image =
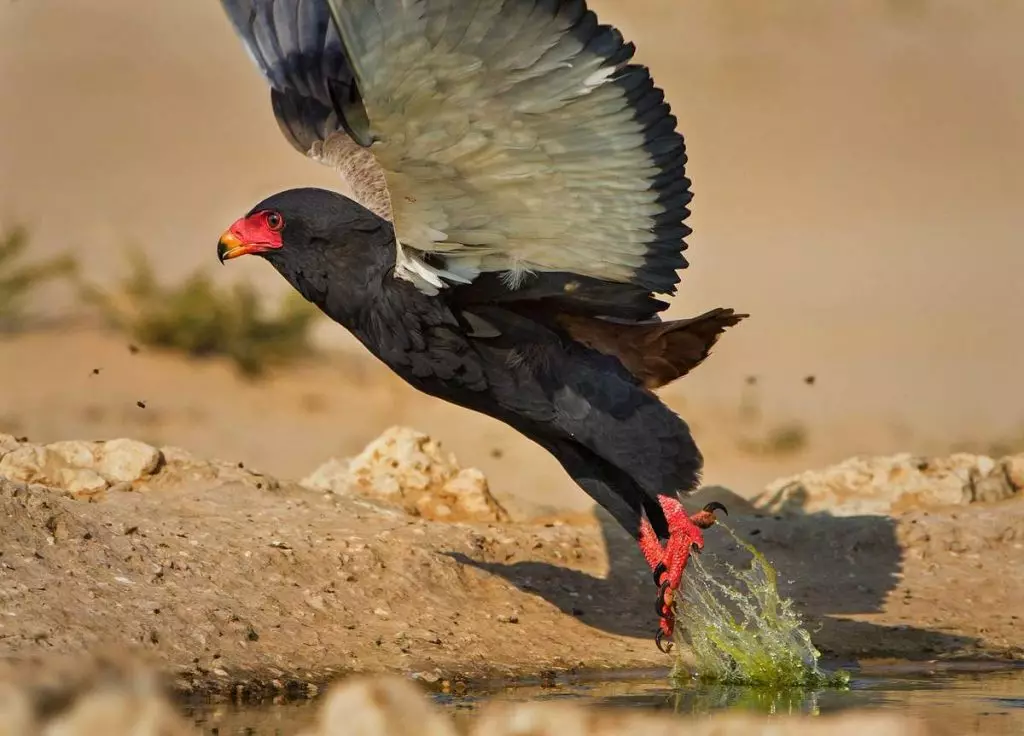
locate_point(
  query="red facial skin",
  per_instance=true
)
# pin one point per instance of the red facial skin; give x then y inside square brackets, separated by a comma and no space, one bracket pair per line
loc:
[685,531]
[257,233]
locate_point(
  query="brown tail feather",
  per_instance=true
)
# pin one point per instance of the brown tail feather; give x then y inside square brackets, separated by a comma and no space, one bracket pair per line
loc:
[657,353]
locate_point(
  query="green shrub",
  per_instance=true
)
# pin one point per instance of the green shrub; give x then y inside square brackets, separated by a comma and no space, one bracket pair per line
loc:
[201,319]
[18,281]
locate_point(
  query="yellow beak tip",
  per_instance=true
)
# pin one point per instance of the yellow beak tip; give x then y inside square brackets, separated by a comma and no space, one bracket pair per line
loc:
[230,246]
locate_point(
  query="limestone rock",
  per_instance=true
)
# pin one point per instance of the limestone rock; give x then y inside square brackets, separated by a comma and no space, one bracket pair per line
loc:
[379,706]
[81,482]
[124,460]
[114,697]
[81,468]
[8,443]
[464,496]
[177,456]
[1013,466]
[882,486]
[32,464]
[76,453]
[16,717]
[119,713]
[992,487]
[394,706]
[409,469]
[182,467]
[557,719]
[331,477]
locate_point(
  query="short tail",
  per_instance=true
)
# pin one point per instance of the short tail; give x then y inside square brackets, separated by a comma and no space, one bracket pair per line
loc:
[657,353]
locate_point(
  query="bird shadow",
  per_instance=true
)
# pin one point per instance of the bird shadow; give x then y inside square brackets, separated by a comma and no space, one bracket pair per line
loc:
[832,567]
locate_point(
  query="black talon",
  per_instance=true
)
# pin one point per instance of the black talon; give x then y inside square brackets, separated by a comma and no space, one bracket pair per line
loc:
[659,641]
[716,506]
[659,604]
[695,548]
[659,570]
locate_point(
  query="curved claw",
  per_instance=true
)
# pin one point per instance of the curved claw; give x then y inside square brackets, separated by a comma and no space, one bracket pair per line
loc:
[659,570]
[716,506]
[660,605]
[659,641]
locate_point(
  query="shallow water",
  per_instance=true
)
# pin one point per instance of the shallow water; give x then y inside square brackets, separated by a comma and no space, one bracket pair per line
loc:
[968,699]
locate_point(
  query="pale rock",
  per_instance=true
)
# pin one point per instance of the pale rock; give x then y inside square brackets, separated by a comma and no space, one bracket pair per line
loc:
[379,706]
[81,481]
[76,453]
[401,462]
[16,714]
[181,467]
[1013,466]
[115,703]
[8,443]
[82,468]
[331,477]
[469,492]
[119,713]
[409,469]
[127,460]
[430,507]
[177,456]
[559,719]
[880,486]
[1002,481]
[32,464]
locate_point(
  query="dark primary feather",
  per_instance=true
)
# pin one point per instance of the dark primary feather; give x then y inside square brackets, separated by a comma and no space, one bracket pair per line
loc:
[297,49]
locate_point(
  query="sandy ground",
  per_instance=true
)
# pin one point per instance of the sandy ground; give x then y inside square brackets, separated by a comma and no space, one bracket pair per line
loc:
[229,584]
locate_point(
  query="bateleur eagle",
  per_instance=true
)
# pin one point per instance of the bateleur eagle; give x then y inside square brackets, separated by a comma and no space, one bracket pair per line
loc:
[519,199]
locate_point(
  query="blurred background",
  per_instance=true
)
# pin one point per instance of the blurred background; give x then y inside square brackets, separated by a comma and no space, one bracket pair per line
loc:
[858,172]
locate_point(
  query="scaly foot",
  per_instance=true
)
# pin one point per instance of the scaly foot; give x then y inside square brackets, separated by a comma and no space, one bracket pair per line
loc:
[685,535]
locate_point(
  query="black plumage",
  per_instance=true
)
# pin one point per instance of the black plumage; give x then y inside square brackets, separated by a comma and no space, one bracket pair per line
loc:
[537,183]
[615,437]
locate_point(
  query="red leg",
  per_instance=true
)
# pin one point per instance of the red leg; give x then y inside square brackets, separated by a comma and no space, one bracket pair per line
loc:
[668,563]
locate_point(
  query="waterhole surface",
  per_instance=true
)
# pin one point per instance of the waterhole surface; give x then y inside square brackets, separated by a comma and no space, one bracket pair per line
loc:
[966,699]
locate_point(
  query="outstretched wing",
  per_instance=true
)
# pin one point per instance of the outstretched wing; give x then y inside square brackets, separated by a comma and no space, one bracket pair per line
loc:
[514,135]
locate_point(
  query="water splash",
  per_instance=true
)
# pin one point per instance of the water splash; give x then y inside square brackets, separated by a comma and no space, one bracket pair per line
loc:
[741,631]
